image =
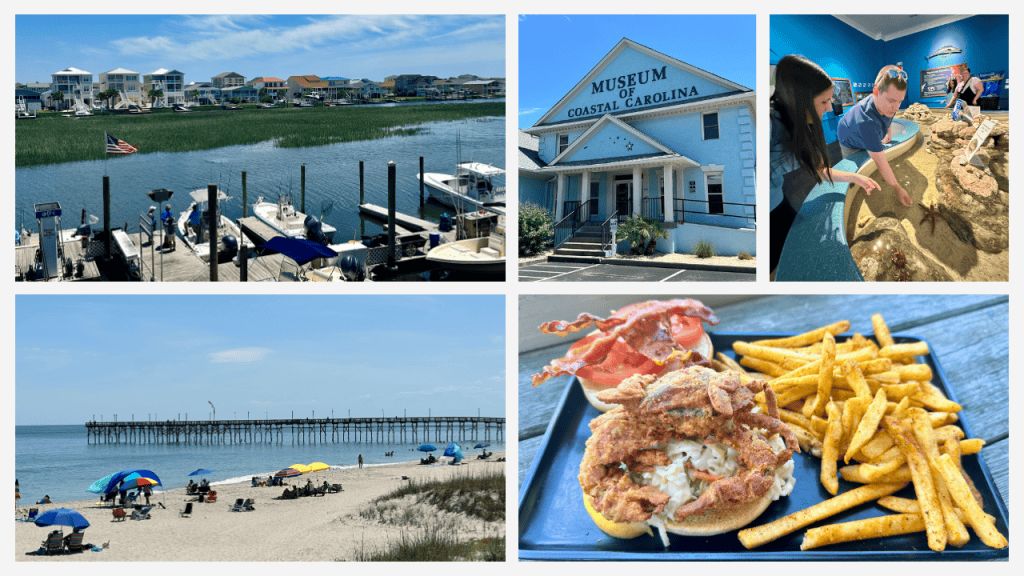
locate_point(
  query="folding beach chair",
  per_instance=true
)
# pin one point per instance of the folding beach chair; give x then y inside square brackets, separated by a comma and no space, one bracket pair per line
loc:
[237,507]
[119,514]
[249,505]
[73,542]
[54,542]
[32,513]
[187,511]
[141,513]
[212,496]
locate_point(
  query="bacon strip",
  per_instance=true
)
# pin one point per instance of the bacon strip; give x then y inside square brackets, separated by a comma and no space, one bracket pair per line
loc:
[646,326]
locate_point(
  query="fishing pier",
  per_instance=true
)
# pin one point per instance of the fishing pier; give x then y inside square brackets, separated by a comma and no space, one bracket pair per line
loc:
[398,429]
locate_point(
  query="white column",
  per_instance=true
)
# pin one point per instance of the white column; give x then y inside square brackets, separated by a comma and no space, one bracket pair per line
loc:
[585,188]
[669,208]
[638,191]
[559,197]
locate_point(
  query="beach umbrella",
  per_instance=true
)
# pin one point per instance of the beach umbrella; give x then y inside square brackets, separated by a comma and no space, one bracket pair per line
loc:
[482,445]
[127,476]
[201,472]
[62,517]
[318,466]
[100,486]
[287,473]
[455,451]
[139,482]
[17,490]
[301,468]
[426,448]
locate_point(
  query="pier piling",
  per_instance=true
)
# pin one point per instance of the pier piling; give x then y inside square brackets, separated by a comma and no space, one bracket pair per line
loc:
[421,182]
[391,214]
[302,180]
[106,214]
[245,199]
[361,201]
[211,194]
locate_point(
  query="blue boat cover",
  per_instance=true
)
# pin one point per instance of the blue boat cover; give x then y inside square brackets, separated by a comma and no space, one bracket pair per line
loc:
[299,249]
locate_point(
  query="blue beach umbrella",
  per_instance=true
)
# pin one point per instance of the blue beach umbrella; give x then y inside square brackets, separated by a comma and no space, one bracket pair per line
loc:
[127,476]
[426,448]
[482,445]
[62,517]
[455,451]
[201,472]
[100,486]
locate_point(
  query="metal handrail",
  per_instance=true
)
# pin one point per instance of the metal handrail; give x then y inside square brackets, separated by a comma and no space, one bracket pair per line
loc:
[567,226]
[680,210]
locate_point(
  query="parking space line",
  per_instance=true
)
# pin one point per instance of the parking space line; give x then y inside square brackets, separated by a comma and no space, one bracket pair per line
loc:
[570,272]
[666,279]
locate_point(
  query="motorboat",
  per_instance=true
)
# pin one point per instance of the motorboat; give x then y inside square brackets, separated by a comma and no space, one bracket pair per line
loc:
[181,108]
[470,188]
[482,254]
[286,219]
[228,234]
[303,104]
[230,106]
[266,105]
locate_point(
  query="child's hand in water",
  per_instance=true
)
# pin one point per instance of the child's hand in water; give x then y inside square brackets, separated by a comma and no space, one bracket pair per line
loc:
[904,197]
[866,183]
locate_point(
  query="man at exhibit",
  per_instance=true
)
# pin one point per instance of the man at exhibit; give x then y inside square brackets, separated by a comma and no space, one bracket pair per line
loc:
[868,124]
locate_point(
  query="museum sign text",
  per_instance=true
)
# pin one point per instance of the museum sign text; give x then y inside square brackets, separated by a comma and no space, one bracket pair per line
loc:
[624,87]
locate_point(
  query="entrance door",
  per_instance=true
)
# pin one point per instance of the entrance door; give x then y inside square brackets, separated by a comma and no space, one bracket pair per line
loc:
[595,192]
[624,197]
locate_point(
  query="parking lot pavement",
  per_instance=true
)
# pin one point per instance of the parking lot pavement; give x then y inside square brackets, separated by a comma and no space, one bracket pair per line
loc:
[569,272]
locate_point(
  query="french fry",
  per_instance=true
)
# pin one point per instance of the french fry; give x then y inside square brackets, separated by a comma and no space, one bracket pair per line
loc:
[853,474]
[730,363]
[914,372]
[904,352]
[878,444]
[936,403]
[901,408]
[877,472]
[828,356]
[972,446]
[809,443]
[807,337]
[768,353]
[901,505]
[922,476]
[881,331]
[769,368]
[853,411]
[952,447]
[961,494]
[795,393]
[754,537]
[956,532]
[890,377]
[879,527]
[901,391]
[856,379]
[868,425]
[830,449]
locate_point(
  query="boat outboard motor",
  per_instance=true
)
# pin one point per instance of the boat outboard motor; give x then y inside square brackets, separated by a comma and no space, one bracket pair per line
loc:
[350,268]
[314,230]
[230,244]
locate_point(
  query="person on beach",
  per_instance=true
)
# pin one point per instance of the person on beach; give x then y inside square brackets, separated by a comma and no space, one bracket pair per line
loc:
[45,500]
[803,94]
[360,460]
[868,124]
[147,492]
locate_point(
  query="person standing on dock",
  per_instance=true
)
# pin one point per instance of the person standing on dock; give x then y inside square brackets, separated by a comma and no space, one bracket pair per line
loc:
[360,460]
[170,240]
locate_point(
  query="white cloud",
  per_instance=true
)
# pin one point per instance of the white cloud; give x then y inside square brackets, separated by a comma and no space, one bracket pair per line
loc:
[239,355]
[529,111]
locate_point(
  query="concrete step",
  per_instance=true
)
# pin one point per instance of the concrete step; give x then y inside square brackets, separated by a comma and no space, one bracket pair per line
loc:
[585,239]
[577,252]
[574,259]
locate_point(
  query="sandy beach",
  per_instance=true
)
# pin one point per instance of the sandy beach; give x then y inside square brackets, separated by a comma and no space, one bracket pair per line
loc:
[318,528]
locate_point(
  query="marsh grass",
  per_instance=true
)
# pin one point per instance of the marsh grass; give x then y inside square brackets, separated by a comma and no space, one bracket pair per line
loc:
[53,139]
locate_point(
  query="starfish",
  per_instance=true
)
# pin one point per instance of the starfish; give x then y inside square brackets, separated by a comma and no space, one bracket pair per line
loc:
[931,214]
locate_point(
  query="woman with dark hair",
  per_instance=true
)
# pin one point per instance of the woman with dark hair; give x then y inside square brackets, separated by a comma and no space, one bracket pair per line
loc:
[803,93]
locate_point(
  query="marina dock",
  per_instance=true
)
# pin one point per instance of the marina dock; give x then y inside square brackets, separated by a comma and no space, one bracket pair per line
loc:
[303,430]
[182,265]
[25,257]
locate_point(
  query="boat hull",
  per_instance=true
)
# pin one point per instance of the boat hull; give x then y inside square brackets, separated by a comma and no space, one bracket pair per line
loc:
[466,256]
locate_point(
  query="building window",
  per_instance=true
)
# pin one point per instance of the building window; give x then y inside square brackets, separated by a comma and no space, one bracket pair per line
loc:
[710,126]
[715,198]
[563,142]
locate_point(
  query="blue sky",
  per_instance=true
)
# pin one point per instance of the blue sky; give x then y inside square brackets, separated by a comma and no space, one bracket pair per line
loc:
[79,356]
[354,46]
[556,52]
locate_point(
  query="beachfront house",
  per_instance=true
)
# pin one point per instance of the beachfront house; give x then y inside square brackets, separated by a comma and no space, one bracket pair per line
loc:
[484,87]
[308,84]
[170,82]
[202,93]
[127,85]
[646,134]
[228,80]
[365,89]
[243,93]
[75,85]
[27,100]
[269,83]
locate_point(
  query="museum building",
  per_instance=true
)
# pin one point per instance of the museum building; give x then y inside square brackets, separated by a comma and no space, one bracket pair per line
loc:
[646,134]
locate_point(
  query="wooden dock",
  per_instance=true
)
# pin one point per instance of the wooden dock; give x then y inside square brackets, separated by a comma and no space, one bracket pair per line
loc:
[302,430]
[410,223]
[258,231]
[182,265]
[25,257]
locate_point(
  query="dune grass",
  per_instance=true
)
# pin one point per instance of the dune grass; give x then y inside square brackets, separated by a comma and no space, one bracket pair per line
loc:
[480,496]
[53,139]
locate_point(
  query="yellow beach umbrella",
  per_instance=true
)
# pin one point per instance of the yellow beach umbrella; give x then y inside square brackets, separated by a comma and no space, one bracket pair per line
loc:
[301,468]
[318,466]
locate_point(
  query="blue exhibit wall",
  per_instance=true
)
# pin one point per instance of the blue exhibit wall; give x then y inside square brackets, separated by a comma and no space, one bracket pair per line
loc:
[985,41]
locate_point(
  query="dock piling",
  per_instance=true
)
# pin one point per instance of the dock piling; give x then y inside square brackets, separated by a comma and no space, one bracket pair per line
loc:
[391,214]
[245,198]
[421,182]
[211,194]
[243,251]
[302,180]
[106,214]
[361,201]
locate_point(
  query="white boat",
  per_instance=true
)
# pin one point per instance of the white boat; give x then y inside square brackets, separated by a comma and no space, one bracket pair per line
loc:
[480,255]
[200,243]
[471,188]
[283,217]
[266,105]
[181,109]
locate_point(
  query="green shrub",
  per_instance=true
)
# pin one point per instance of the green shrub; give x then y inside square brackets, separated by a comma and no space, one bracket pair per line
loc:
[744,256]
[535,228]
[642,234]
[704,249]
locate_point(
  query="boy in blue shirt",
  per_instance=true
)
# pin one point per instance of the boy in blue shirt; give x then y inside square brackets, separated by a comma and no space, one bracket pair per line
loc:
[868,124]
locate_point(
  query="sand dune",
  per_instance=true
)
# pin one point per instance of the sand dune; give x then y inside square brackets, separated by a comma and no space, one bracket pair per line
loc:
[322,528]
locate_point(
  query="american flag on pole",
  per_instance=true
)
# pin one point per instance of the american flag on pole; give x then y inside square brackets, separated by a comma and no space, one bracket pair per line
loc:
[119,147]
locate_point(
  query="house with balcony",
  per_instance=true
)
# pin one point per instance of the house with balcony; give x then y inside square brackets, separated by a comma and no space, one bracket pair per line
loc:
[365,89]
[336,86]
[127,84]
[271,84]
[228,80]
[645,134]
[243,93]
[76,86]
[204,93]
[311,84]
[170,82]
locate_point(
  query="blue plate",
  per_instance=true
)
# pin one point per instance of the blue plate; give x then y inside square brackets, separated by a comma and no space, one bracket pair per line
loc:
[553,525]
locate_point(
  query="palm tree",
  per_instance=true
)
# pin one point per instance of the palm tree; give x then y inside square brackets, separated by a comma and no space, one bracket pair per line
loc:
[195,94]
[107,95]
[58,97]
[154,94]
